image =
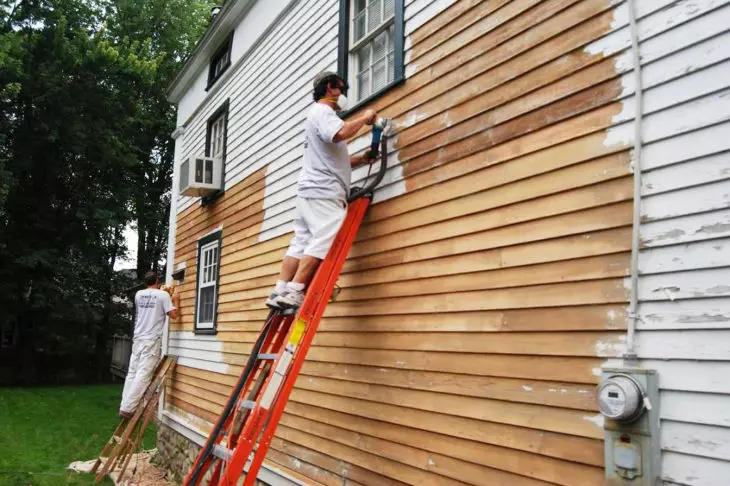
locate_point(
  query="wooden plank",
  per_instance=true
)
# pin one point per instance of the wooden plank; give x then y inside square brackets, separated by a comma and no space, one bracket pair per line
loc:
[501,44]
[459,249]
[300,430]
[696,255]
[603,344]
[585,318]
[686,314]
[697,440]
[685,229]
[695,408]
[344,470]
[448,23]
[522,415]
[710,345]
[697,284]
[384,466]
[303,471]
[551,368]
[684,469]
[550,444]
[565,395]
[464,228]
[531,465]
[590,268]
[549,295]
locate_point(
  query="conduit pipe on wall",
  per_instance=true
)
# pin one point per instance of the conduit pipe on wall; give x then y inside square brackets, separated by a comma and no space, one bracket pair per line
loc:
[630,353]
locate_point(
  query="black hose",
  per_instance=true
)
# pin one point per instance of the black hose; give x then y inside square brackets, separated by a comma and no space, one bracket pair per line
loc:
[358,192]
[208,448]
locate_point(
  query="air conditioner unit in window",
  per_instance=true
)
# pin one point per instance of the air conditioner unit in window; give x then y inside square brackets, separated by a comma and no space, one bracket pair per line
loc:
[201,176]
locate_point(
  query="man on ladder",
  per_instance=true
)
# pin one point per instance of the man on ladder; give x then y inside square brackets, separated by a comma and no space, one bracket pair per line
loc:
[324,185]
[152,306]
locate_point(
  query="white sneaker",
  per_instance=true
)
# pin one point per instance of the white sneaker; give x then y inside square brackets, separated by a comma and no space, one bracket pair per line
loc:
[290,299]
[271,301]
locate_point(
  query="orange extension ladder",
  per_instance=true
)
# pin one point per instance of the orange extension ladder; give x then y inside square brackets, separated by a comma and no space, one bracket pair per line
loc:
[243,432]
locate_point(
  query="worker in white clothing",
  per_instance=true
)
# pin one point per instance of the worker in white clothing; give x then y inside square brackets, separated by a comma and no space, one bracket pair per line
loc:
[152,306]
[324,185]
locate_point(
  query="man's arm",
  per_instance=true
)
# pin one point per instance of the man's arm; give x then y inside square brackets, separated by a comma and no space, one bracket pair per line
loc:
[352,126]
[356,160]
[174,313]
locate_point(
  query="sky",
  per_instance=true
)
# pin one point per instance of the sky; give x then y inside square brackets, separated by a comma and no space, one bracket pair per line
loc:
[130,235]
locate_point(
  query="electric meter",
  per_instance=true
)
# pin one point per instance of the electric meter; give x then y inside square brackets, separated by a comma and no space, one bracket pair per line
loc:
[620,398]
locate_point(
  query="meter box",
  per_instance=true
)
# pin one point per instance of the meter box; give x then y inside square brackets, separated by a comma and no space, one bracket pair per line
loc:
[628,398]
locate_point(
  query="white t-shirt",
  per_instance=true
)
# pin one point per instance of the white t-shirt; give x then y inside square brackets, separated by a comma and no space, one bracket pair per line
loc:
[326,167]
[152,307]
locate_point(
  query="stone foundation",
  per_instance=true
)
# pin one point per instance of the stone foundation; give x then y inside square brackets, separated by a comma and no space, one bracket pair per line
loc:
[176,454]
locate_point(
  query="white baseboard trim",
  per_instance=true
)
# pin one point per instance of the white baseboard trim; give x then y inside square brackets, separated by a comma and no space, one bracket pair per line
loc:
[268,473]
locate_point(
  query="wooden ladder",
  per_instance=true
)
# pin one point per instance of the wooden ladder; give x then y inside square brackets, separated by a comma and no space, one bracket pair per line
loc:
[120,447]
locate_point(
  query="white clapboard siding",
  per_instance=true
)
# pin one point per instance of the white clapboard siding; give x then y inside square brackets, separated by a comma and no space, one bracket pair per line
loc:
[684,290]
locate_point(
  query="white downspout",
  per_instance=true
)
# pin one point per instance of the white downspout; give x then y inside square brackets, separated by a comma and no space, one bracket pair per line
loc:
[631,354]
[171,231]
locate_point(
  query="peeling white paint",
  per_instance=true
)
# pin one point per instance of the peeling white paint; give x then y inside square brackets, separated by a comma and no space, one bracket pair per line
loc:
[527,388]
[612,348]
[412,117]
[598,420]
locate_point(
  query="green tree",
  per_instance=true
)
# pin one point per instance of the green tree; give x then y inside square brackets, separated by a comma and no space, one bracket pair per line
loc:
[84,151]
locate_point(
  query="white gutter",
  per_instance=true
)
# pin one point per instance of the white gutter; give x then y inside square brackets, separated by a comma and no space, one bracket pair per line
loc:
[636,167]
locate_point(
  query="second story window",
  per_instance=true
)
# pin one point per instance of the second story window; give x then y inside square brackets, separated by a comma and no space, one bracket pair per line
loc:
[371,46]
[220,61]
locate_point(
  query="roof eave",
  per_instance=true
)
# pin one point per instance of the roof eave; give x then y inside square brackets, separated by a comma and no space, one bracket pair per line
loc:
[229,15]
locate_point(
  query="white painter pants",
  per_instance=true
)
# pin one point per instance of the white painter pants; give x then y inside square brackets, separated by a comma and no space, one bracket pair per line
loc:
[142,364]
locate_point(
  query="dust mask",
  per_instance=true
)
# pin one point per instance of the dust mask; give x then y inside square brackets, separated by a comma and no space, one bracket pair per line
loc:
[342,102]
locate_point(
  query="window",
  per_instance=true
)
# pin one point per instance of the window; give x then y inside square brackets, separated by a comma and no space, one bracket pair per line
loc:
[220,61]
[206,300]
[371,47]
[216,138]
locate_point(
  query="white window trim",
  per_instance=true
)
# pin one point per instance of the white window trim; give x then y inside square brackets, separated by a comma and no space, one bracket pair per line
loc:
[210,243]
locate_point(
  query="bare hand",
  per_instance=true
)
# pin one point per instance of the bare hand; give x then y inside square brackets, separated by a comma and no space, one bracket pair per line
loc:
[371,116]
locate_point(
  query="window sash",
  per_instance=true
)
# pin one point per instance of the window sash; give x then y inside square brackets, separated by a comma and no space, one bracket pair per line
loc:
[217,130]
[358,46]
[384,63]
[207,285]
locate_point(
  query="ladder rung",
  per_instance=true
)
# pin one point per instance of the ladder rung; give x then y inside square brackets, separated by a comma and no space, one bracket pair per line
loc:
[222,453]
[249,404]
[267,355]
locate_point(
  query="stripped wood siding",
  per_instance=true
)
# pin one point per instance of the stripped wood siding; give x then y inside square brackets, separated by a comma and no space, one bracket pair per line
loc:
[684,289]
[487,285]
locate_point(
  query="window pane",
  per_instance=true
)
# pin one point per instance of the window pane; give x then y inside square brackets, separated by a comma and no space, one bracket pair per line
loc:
[359,26]
[363,85]
[363,58]
[388,8]
[360,6]
[374,14]
[380,74]
[205,311]
[380,45]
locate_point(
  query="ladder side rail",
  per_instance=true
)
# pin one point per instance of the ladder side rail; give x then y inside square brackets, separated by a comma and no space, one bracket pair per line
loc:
[282,364]
[314,312]
[205,455]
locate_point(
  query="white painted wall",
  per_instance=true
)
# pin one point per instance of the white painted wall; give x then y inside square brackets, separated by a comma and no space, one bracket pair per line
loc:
[684,265]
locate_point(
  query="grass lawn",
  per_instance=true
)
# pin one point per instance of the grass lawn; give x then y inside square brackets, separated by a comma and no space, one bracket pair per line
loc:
[43,430]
